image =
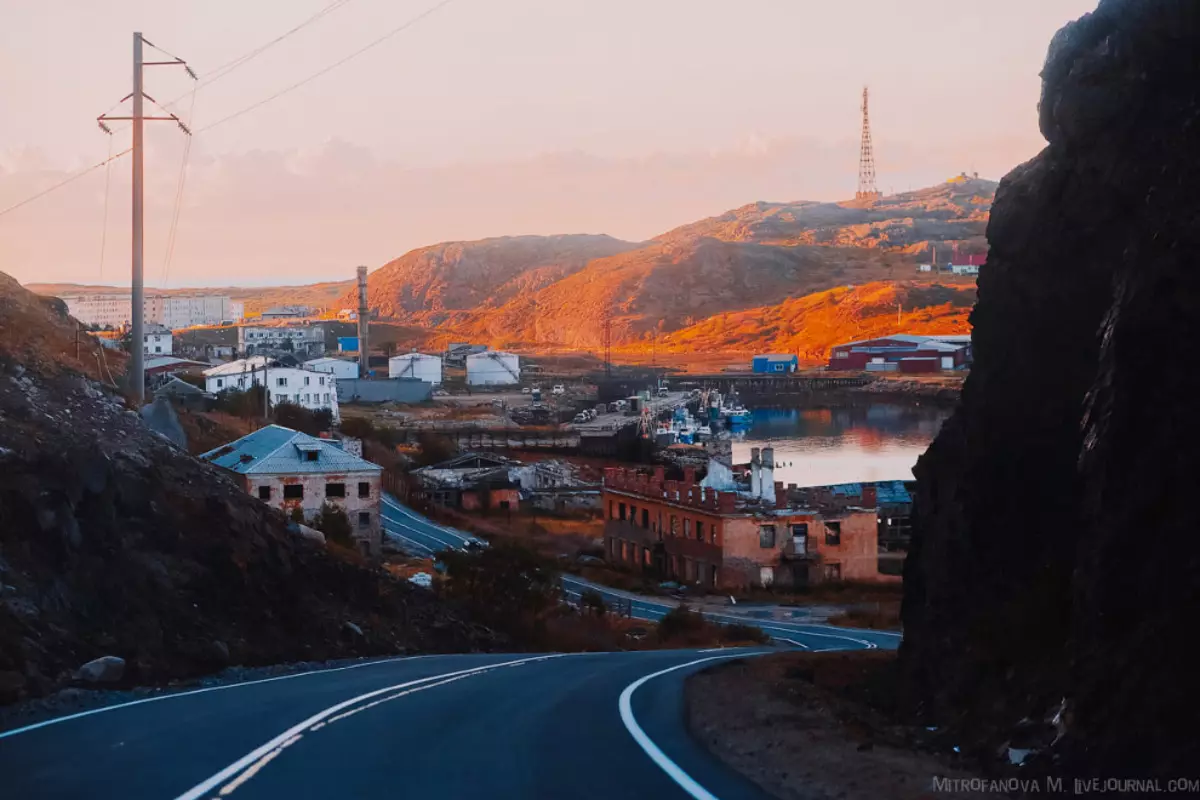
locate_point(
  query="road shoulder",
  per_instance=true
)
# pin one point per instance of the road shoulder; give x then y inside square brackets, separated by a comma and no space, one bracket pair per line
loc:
[803,726]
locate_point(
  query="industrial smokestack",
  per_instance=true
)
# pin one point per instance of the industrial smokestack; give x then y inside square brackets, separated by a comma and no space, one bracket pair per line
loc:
[363,345]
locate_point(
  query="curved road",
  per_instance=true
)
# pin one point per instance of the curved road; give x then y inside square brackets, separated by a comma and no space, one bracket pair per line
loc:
[593,725]
[587,725]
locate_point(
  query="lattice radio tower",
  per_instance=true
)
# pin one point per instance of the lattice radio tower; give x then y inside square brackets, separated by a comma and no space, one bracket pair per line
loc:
[866,159]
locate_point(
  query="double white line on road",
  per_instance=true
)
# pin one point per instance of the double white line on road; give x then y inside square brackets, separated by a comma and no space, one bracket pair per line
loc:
[258,758]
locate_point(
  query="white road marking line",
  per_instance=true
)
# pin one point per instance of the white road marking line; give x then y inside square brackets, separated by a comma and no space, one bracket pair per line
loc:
[245,761]
[674,772]
[222,687]
[792,641]
[257,766]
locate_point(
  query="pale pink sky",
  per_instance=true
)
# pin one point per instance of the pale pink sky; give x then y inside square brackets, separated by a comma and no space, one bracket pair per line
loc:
[494,117]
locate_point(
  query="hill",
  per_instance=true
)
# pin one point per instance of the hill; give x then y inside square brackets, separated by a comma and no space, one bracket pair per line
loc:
[447,282]
[115,542]
[811,325]
[742,260]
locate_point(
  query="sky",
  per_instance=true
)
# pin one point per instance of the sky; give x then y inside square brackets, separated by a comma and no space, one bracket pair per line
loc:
[487,118]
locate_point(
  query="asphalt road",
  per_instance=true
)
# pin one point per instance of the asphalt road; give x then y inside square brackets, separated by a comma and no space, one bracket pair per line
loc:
[595,725]
[416,534]
[795,632]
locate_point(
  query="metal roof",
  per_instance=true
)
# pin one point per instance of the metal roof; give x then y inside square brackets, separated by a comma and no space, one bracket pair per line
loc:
[778,356]
[326,360]
[238,367]
[276,450]
[886,492]
[909,338]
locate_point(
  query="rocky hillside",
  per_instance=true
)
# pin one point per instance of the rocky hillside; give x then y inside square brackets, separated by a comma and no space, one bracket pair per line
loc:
[955,211]
[448,281]
[113,542]
[1055,557]
[811,325]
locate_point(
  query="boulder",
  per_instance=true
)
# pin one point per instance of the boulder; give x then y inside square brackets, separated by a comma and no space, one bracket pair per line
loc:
[106,669]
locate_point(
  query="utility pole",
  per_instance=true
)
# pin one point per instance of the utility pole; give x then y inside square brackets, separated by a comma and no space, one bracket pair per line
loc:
[137,366]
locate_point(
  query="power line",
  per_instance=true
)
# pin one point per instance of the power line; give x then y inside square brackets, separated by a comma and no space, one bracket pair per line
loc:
[370,45]
[104,224]
[402,27]
[229,66]
[174,229]
[69,179]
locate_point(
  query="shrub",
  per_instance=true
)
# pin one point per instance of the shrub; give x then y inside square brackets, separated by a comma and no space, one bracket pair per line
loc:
[507,586]
[680,622]
[334,523]
[435,448]
[593,601]
[299,418]
[297,515]
[740,632]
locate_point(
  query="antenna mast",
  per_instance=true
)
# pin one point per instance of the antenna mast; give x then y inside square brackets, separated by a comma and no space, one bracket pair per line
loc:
[866,158]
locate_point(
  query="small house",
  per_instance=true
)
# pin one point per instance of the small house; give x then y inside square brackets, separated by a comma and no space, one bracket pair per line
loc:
[772,363]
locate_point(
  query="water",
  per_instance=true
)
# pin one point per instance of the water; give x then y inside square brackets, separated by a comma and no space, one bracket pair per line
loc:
[842,444]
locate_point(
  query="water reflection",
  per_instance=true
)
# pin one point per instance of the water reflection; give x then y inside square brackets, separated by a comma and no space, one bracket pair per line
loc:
[821,445]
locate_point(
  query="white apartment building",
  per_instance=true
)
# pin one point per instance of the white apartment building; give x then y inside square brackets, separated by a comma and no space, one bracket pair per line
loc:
[113,309]
[304,387]
[157,342]
[303,340]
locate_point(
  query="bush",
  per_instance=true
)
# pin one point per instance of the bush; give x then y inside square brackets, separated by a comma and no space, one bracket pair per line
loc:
[593,601]
[740,632]
[334,523]
[435,448]
[247,404]
[299,418]
[507,586]
[297,515]
[680,622]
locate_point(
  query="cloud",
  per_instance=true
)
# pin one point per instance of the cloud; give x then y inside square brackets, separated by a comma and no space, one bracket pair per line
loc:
[263,217]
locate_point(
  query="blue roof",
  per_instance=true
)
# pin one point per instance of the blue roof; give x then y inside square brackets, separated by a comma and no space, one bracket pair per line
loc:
[276,450]
[886,492]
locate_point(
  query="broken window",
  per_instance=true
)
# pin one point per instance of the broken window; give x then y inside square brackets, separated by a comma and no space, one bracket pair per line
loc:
[674,525]
[833,533]
[832,572]
[766,536]
[264,493]
[699,531]
[335,490]
[645,518]
[687,528]
[364,519]
[310,455]
[364,489]
[293,491]
[621,507]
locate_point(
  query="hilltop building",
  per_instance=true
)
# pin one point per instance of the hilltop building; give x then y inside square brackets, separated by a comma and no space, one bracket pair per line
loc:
[302,340]
[306,388]
[290,470]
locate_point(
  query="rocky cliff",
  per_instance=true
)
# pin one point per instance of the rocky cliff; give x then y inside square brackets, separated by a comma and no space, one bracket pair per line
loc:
[115,542]
[1055,554]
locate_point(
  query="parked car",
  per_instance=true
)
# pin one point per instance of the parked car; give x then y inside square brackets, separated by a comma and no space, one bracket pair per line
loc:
[559,389]
[525,390]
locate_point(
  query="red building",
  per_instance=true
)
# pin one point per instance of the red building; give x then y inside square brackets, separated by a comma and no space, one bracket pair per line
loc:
[903,353]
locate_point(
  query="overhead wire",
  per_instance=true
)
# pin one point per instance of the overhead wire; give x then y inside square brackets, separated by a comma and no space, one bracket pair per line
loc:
[270,98]
[104,223]
[174,228]
[372,44]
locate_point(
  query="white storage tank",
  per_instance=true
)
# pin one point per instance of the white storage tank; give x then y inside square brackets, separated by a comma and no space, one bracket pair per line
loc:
[493,368]
[416,365]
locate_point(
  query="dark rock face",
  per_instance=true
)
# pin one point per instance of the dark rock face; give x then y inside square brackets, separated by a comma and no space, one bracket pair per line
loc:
[113,542]
[1056,553]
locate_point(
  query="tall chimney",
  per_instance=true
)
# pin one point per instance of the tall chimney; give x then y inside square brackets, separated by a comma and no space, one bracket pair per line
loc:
[755,472]
[766,478]
[363,348]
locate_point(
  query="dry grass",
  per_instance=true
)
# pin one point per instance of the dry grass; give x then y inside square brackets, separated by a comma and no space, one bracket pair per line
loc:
[879,616]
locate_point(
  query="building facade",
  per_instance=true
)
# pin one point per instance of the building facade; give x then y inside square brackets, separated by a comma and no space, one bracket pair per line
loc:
[302,340]
[772,363]
[903,353]
[297,473]
[114,310]
[157,342]
[337,367]
[690,533]
[312,390]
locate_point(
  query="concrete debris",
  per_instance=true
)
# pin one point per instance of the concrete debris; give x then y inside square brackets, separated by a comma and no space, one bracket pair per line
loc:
[350,627]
